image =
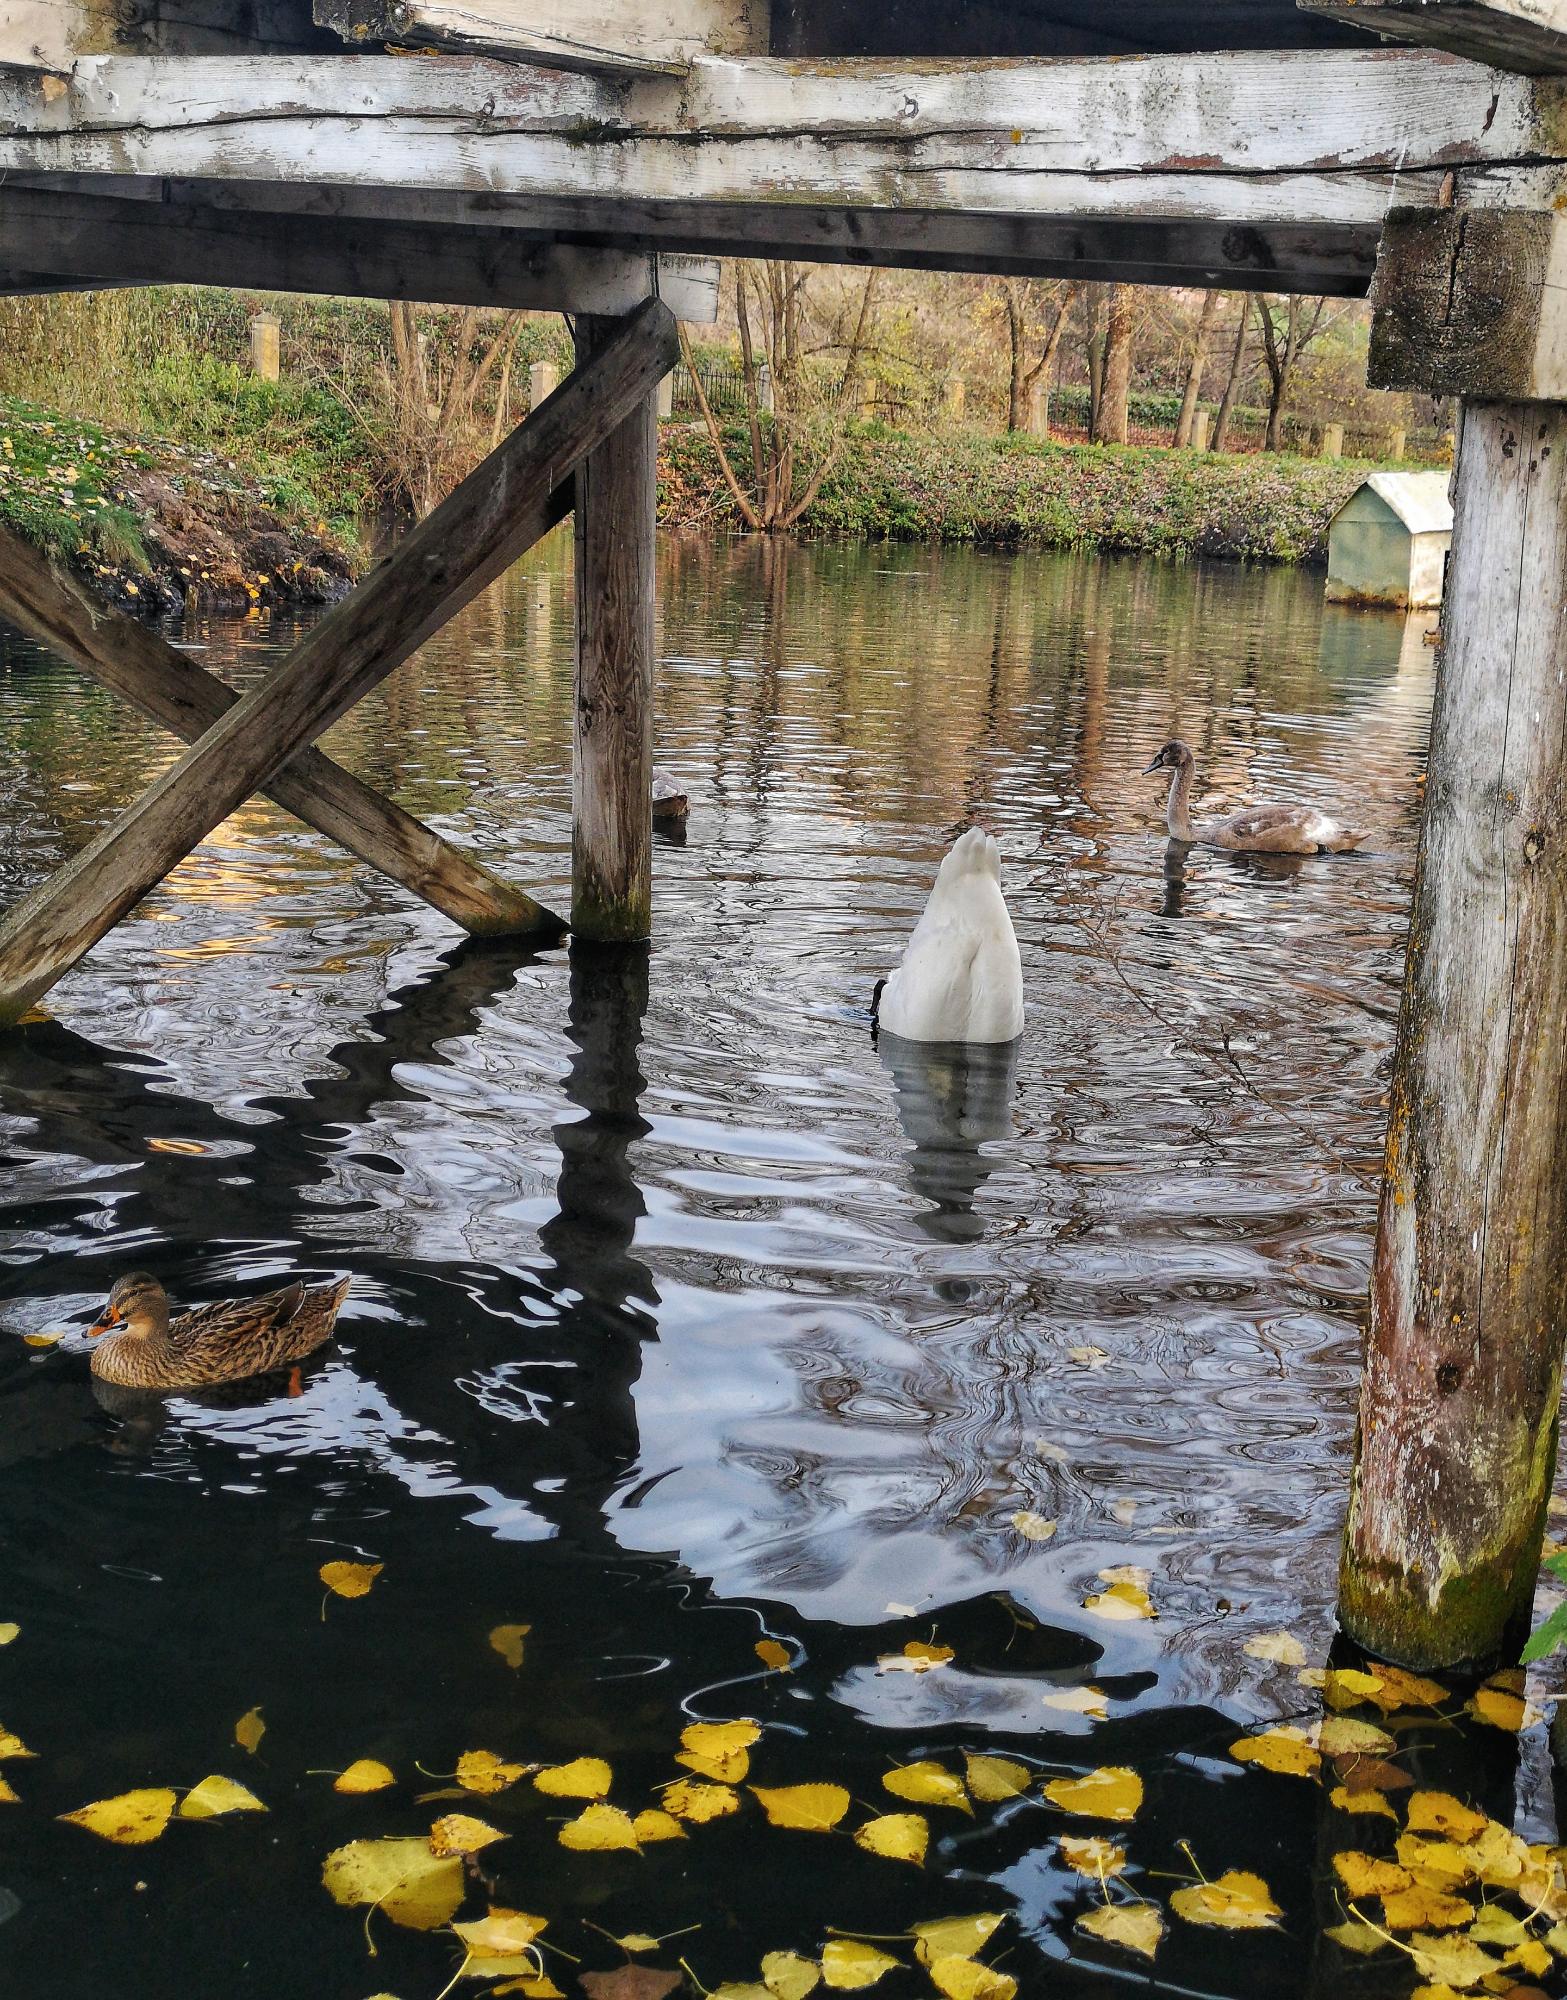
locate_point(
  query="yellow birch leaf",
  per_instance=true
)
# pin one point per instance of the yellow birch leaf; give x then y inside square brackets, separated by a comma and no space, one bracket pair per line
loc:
[653,1825]
[1236,1901]
[365,1774]
[1494,1925]
[1400,1689]
[415,1888]
[1357,1936]
[1033,1527]
[916,1658]
[350,1579]
[1348,1736]
[771,1654]
[1112,1792]
[1455,1961]
[895,1836]
[1440,1812]
[501,1934]
[1436,1861]
[928,1784]
[482,1771]
[1435,1993]
[641,1941]
[1556,1938]
[809,1808]
[532,1987]
[992,1779]
[13,1746]
[1135,1926]
[849,1965]
[1348,1687]
[43,1339]
[215,1796]
[1366,1875]
[953,1937]
[8,1795]
[1090,1701]
[743,1989]
[688,1800]
[718,1749]
[1092,1854]
[1361,1802]
[1313,1677]
[1120,1600]
[1499,1708]
[1285,1750]
[788,1976]
[598,1829]
[456,1833]
[1500,1858]
[249,1730]
[582,1778]
[967,1979]
[1282,1648]
[1424,1908]
[1531,1956]
[130,1819]
[8,1632]
[507,1641]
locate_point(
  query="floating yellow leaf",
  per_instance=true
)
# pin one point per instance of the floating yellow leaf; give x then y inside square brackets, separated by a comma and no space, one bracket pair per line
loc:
[1237,1901]
[1440,1812]
[1348,1736]
[215,1796]
[895,1836]
[582,1778]
[787,1976]
[456,1833]
[638,1941]
[1423,1908]
[771,1654]
[1434,1861]
[1287,1751]
[1357,1936]
[532,1987]
[1530,1956]
[1499,1708]
[1500,1858]
[13,1746]
[928,1784]
[1136,1926]
[130,1819]
[953,1937]
[966,1979]
[1494,1925]
[916,1658]
[482,1771]
[350,1579]
[688,1800]
[1080,1701]
[1088,1357]
[507,1641]
[1366,1875]
[502,1934]
[1453,1960]
[1283,1648]
[598,1829]
[810,1808]
[718,1749]
[1120,1600]
[849,1965]
[401,1876]
[43,1339]
[363,1775]
[8,1633]
[8,1795]
[745,1989]
[1112,1792]
[654,1825]
[995,1778]
[1348,1687]
[1399,1689]
[1361,1802]
[1033,1527]
[249,1730]
[1092,1854]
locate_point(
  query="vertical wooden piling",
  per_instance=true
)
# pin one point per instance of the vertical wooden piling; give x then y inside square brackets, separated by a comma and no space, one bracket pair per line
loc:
[612,741]
[1457,1441]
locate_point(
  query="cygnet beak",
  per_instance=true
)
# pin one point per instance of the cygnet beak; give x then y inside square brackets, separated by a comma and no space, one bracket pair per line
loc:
[1156,765]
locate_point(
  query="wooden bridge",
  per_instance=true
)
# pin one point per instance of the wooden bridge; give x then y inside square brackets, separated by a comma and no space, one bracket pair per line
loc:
[594,156]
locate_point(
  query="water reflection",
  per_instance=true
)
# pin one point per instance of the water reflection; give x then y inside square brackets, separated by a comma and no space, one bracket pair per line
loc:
[953,1099]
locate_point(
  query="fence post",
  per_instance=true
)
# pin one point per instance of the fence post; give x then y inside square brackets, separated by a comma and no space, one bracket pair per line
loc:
[1397,439]
[1200,424]
[266,346]
[543,381]
[1332,440]
[666,397]
[764,388]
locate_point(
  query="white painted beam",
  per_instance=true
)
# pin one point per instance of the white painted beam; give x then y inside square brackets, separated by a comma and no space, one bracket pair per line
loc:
[1529,36]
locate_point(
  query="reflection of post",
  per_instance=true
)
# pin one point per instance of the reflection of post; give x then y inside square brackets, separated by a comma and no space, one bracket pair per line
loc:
[1174,904]
[951,1100]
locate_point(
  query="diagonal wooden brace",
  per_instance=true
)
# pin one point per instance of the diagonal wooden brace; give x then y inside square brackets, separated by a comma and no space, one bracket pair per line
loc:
[167,685]
[499,511]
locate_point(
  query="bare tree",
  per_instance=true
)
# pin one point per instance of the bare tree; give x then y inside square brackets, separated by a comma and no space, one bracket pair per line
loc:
[1034,312]
[1288,325]
[430,390]
[1232,384]
[1199,361]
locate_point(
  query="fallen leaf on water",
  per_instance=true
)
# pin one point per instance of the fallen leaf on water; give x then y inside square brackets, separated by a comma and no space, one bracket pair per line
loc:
[928,1784]
[42,1339]
[539,1987]
[249,1730]
[629,1982]
[507,1641]
[1092,1854]
[1286,1750]
[1112,1792]
[1433,1860]
[599,1830]
[1370,1774]
[1500,1708]
[1080,1701]
[483,1771]
[1367,1875]
[1453,1960]
[895,1836]
[130,1819]
[1136,1926]
[953,1937]
[1283,1648]
[1494,1925]
[966,1979]
[365,1774]
[741,1989]
[13,1746]
[1502,1859]
[501,1934]
[773,1655]
[638,1941]
[456,1833]
[1120,1600]
[1236,1901]
[1088,1357]
[1532,1957]
[1348,1687]
[582,1778]
[1033,1527]
[995,1778]
[217,1795]
[849,1965]
[8,1795]
[415,1888]
[1357,1937]
[1347,1735]
[788,1976]
[718,1749]
[350,1579]
[9,1632]
[653,1825]
[916,1658]
[688,1800]
[1440,1812]
[1423,1908]
[1361,1802]
[1124,1511]
[1400,1689]
[810,1808]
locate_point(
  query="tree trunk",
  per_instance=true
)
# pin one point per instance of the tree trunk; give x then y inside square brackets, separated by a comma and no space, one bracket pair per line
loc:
[1016,335]
[1096,357]
[1111,424]
[1210,312]
[1232,387]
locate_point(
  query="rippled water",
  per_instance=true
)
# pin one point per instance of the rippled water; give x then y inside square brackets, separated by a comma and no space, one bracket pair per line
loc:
[682,1317]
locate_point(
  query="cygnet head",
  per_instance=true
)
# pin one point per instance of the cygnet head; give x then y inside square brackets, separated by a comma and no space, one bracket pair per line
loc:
[972,853]
[1175,756]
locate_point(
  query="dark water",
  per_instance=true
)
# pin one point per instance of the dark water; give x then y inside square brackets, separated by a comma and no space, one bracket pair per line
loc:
[682,1318]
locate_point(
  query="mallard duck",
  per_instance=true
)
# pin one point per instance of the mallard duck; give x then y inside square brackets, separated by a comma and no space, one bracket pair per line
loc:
[671,800]
[1257,830]
[216,1343]
[961,979]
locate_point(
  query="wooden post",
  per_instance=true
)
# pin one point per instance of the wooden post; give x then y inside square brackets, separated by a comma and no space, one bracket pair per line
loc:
[266,346]
[1332,440]
[612,736]
[1200,423]
[543,381]
[1397,440]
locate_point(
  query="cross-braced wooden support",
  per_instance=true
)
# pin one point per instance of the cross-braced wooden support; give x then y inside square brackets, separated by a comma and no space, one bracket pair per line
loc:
[499,511]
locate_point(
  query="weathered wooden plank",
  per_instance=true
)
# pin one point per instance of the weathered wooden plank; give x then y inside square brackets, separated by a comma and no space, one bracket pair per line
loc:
[148,241]
[51,34]
[635,37]
[1469,1276]
[612,726]
[1529,36]
[139,664]
[469,540]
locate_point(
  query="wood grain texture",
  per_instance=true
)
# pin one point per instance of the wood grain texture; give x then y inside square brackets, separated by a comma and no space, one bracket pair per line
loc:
[140,665]
[1529,36]
[1457,1436]
[471,538]
[612,729]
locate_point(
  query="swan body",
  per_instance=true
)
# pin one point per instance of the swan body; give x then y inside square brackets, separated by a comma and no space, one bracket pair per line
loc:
[1256,830]
[217,1343]
[961,979]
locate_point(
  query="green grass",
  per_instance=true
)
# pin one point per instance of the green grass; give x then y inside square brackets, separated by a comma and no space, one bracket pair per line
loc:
[59,486]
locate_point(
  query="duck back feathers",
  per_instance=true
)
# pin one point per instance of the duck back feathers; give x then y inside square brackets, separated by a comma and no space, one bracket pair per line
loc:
[961,978]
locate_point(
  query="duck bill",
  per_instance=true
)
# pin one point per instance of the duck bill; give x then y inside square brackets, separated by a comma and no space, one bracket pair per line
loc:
[102,1326]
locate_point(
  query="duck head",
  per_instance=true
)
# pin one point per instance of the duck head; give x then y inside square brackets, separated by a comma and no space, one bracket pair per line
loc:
[1175,756]
[137,1304]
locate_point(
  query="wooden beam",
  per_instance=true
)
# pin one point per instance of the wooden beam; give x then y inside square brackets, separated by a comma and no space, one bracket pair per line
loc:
[51,34]
[159,241]
[612,728]
[1458,1408]
[618,37]
[1529,36]
[471,538]
[138,663]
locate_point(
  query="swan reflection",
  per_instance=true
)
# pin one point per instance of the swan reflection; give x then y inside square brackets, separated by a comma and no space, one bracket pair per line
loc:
[953,1099]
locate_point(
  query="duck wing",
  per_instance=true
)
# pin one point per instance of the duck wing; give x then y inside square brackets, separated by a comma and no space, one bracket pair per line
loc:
[244,1335]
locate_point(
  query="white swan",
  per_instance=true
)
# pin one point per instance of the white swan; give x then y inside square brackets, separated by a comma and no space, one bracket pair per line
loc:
[961,979]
